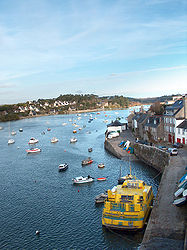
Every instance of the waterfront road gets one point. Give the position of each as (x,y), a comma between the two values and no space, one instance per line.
(167,225)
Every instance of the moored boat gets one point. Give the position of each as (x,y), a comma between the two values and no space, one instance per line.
(90,150)
(74,131)
(82,180)
(102,179)
(33,150)
(183,183)
(20,130)
(48,129)
(128,205)
(54,140)
(11,141)
(101,198)
(13,133)
(62,167)
(179,192)
(101,165)
(179,202)
(33,141)
(87,161)
(72,140)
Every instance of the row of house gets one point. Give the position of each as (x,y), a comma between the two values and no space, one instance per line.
(170,127)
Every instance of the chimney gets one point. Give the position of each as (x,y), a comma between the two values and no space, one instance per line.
(185,106)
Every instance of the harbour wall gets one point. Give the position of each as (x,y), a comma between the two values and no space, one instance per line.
(152,156)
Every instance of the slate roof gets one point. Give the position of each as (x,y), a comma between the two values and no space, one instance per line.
(142,117)
(151,122)
(116,123)
(176,106)
(183,124)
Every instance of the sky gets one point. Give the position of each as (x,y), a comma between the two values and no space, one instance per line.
(135,48)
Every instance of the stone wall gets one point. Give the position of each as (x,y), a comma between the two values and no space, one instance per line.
(152,156)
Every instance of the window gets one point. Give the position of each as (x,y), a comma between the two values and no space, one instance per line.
(179,131)
(183,131)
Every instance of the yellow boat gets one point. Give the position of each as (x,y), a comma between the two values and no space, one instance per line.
(128,205)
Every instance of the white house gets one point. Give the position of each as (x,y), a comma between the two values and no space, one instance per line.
(181,131)
(116,126)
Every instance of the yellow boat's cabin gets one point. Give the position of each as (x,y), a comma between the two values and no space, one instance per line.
(128,205)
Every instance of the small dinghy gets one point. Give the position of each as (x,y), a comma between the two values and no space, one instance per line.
(101,165)
(33,150)
(183,183)
(87,161)
(62,167)
(20,130)
(72,140)
(102,179)
(33,141)
(54,140)
(179,192)
(90,150)
(182,178)
(179,202)
(101,198)
(13,133)
(48,129)
(11,141)
(184,193)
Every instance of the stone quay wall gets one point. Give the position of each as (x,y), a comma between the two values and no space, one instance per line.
(152,156)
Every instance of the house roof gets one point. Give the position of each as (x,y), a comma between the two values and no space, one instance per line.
(116,123)
(183,124)
(142,117)
(151,122)
(177,105)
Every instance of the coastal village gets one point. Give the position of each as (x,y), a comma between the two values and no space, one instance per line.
(170,127)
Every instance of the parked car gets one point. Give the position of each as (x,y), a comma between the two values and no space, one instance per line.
(142,142)
(113,134)
(162,147)
(172,151)
(178,145)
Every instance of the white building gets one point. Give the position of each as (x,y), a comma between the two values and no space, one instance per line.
(181,131)
(116,126)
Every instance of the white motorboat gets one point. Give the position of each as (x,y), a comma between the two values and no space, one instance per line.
(13,133)
(64,124)
(33,141)
(72,140)
(1,128)
(62,167)
(20,130)
(33,150)
(82,180)
(54,140)
(11,141)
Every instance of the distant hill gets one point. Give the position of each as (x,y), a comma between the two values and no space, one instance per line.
(150,100)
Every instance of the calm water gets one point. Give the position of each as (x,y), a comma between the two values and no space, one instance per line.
(34,195)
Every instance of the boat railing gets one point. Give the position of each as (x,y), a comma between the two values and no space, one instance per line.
(127,207)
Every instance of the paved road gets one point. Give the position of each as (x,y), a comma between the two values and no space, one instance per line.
(167,223)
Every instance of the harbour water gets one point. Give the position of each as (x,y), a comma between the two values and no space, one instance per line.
(35,196)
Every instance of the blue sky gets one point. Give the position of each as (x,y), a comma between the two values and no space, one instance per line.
(134,48)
